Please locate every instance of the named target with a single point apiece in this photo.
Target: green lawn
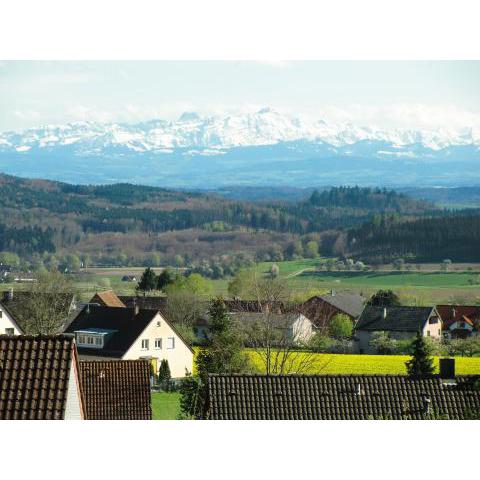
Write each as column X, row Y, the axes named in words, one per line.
column 165, row 406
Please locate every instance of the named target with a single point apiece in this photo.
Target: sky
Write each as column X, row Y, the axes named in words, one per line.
column 388, row 94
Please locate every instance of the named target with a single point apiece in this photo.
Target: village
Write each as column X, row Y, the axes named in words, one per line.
column 111, row 357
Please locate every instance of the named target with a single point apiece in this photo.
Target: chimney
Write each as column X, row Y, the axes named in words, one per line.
column 447, row 368
column 332, row 292
column 136, row 308
column 426, row 404
column 384, row 312
column 453, row 312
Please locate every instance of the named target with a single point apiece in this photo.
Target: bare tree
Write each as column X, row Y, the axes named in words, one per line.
column 45, row 307
column 270, row 334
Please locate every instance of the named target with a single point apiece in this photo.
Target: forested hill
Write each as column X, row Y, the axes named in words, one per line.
column 454, row 236
column 372, row 199
column 38, row 216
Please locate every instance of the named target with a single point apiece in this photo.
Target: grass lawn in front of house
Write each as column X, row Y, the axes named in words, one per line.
column 165, row 406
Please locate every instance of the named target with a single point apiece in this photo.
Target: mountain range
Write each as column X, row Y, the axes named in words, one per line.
column 258, row 148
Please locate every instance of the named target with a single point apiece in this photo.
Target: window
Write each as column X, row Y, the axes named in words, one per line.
column 171, row 342
column 144, row 344
column 1, row 313
column 158, row 343
column 439, row 332
column 159, row 323
column 428, row 333
column 98, row 341
column 90, row 340
column 9, row 331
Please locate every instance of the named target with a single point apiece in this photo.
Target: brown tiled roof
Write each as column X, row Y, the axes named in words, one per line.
column 34, row 374
column 107, row 298
column 117, row 390
column 339, row 397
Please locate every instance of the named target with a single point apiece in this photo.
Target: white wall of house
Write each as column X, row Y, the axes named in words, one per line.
column 302, row 329
column 180, row 357
column 73, row 408
column 7, row 323
column 433, row 329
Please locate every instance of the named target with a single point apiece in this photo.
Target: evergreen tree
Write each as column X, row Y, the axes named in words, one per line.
column 148, row 282
column 421, row 364
column 164, row 375
column 164, row 279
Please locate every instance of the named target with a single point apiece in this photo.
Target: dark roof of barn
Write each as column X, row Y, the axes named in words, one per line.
column 34, row 375
column 339, row 397
column 117, row 390
column 126, row 324
column 350, row 303
column 398, row 319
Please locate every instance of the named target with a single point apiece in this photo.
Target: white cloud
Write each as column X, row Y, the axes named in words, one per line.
column 28, row 115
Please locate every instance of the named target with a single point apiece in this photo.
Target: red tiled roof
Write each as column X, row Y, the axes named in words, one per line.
column 456, row 313
column 117, row 390
column 107, row 299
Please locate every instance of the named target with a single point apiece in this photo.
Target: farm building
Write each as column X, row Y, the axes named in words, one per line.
column 153, row 302
column 460, row 321
column 107, row 298
column 400, row 322
column 120, row 333
column 322, row 308
column 340, row 397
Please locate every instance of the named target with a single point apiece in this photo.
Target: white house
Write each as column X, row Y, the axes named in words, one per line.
column 109, row 333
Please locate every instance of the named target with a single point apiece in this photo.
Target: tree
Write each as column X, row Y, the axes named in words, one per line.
column 311, row 249
column 274, row 271
column 421, row 363
column 446, row 264
column 148, row 281
column 384, row 298
column 164, row 375
column 45, row 310
column 398, row 264
column 223, row 353
column 340, row 327
column 164, row 279
column 72, row 263
column 383, row 343
column 7, row 258
column 179, row 261
column 152, row 260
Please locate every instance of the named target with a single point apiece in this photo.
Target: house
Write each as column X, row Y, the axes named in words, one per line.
column 39, row 378
column 8, row 323
column 340, row 397
column 293, row 326
column 400, row 322
column 17, row 306
column 460, row 321
column 322, row 308
column 117, row 390
column 119, row 333
column 107, row 298
column 129, row 278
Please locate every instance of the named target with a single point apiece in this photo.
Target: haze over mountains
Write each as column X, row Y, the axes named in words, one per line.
column 260, row 148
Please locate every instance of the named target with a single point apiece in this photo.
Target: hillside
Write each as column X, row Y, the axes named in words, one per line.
column 454, row 236
column 113, row 222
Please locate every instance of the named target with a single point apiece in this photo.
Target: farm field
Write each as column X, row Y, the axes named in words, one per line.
column 165, row 406
column 348, row 364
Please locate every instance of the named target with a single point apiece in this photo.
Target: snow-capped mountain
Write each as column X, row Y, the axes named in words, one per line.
column 263, row 147
column 210, row 135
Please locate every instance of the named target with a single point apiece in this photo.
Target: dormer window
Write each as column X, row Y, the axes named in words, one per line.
column 93, row 338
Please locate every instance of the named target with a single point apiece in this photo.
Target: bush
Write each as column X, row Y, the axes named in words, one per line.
column 340, row 327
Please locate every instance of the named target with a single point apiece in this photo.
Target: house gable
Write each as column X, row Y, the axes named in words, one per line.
column 8, row 322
